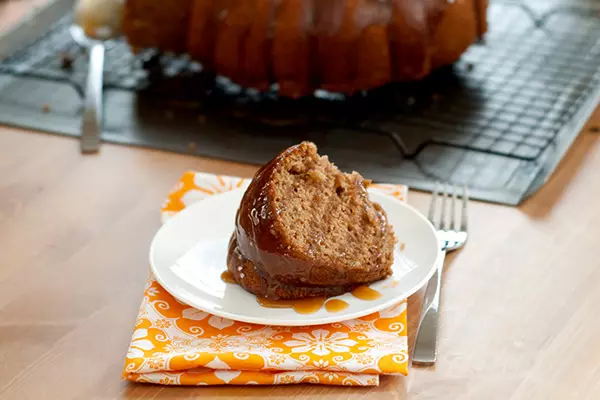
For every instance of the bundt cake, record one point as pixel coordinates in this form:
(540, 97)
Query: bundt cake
(306, 229)
(303, 45)
(157, 24)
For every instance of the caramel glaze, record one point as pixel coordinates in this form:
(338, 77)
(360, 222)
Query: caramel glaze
(227, 277)
(311, 304)
(301, 306)
(365, 293)
(336, 305)
(480, 8)
(305, 306)
(256, 242)
(307, 45)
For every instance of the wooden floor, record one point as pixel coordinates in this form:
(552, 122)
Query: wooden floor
(520, 302)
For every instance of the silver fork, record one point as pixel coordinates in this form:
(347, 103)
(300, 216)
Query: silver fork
(452, 234)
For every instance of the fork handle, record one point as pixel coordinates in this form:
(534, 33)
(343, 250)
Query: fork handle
(425, 351)
(91, 123)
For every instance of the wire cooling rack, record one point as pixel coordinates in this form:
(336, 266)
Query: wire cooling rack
(499, 120)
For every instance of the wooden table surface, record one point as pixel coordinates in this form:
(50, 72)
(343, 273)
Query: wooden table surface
(519, 311)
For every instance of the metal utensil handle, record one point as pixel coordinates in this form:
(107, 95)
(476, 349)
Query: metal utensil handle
(91, 126)
(425, 351)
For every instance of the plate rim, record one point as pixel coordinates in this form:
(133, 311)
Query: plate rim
(334, 318)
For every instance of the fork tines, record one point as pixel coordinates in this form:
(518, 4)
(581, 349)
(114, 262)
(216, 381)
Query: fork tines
(444, 222)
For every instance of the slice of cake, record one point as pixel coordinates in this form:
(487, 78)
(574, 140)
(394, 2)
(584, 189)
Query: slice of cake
(305, 229)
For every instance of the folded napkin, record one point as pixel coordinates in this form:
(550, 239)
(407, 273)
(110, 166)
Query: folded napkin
(174, 344)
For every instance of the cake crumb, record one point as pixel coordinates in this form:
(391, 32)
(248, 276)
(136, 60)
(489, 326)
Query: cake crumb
(192, 146)
(46, 108)
(402, 246)
(317, 176)
(470, 66)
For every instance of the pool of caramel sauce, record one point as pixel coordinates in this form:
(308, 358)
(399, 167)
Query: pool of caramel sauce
(336, 305)
(365, 293)
(305, 306)
(227, 277)
(312, 304)
(301, 306)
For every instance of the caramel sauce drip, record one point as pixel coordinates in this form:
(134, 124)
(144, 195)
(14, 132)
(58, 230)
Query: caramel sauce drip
(314, 304)
(227, 277)
(301, 306)
(335, 305)
(365, 293)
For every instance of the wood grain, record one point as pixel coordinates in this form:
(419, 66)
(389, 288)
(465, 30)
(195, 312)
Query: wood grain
(519, 316)
(519, 305)
(12, 11)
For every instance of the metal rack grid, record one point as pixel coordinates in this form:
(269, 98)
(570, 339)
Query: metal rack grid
(491, 120)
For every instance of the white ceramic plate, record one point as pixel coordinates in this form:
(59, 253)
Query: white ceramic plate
(188, 255)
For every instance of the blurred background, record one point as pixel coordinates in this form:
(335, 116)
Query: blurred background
(499, 119)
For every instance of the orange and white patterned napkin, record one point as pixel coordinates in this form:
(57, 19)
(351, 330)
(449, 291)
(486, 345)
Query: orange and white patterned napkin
(174, 344)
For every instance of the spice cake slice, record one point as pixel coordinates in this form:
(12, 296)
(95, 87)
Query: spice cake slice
(304, 229)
